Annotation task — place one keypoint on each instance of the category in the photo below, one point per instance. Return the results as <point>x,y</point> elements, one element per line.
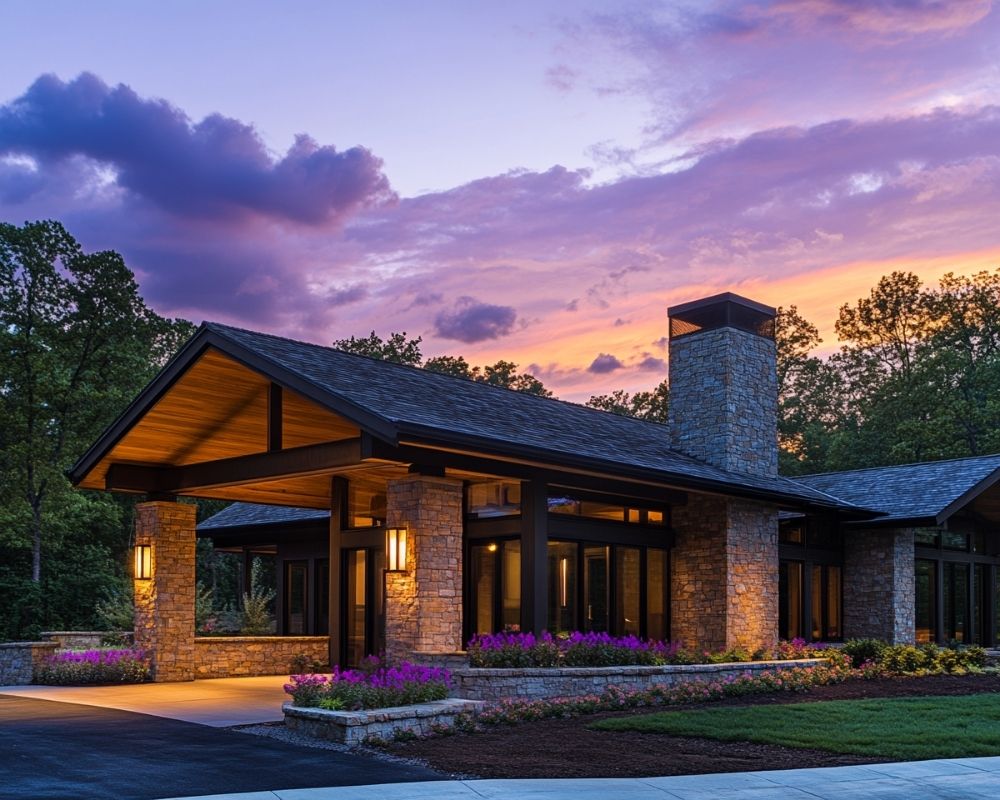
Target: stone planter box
<point>478,683</point>
<point>244,656</point>
<point>353,727</point>
<point>18,661</point>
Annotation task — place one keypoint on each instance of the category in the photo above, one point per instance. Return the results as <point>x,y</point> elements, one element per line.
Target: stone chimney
<point>724,384</point>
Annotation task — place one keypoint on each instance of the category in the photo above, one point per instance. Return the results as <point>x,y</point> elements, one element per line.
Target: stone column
<point>423,610</point>
<point>724,574</point>
<point>879,585</point>
<point>164,604</point>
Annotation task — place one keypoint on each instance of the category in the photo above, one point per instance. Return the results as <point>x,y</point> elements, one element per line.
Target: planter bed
<point>533,683</point>
<point>385,724</point>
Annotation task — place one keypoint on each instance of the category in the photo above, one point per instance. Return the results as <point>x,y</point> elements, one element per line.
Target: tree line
<point>916,377</point>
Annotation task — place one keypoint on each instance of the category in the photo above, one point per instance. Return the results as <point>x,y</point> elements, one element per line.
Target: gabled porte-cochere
<point>409,510</point>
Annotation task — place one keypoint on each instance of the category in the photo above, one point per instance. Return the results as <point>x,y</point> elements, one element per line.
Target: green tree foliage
<point>401,350</point>
<point>917,378</point>
<point>652,406</point>
<point>76,344</point>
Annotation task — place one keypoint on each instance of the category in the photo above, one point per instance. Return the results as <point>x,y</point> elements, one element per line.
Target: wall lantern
<point>395,549</point>
<point>143,562</point>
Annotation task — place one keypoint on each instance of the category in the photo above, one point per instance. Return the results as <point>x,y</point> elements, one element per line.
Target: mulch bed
<point>566,748</point>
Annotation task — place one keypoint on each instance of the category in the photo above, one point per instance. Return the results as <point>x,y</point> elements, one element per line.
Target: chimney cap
<point>725,297</point>
<point>726,310</point>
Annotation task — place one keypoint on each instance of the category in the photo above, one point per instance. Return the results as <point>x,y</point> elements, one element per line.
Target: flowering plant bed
<point>98,665</point>
<point>375,686</point>
<point>518,650</point>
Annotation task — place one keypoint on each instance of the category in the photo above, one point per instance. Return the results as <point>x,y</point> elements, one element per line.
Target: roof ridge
<point>897,466</point>
<point>422,370</point>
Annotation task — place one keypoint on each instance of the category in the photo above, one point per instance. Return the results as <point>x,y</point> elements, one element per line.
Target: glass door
<point>362,604</point>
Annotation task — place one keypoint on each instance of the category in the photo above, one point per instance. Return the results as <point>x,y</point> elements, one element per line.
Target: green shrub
<point>862,650</point>
<point>82,667</point>
<point>257,619</point>
<point>905,659</point>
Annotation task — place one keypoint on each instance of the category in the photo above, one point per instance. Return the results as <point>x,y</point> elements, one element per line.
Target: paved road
<point>62,750</point>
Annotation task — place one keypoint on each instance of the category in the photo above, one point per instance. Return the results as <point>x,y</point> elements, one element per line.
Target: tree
<point>652,405</point>
<point>399,349</point>
<point>77,342</point>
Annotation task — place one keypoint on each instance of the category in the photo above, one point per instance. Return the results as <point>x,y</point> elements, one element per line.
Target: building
<point>447,507</point>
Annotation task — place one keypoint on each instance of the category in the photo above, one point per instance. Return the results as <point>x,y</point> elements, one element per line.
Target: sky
<point>535,181</point>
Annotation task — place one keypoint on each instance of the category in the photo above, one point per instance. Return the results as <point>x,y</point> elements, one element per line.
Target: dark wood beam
<point>338,515</point>
<point>427,457</point>
<point>260,467</point>
<point>274,417</point>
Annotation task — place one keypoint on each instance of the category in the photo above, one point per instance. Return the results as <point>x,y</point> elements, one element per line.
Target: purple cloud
<point>471,321</point>
<point>216,168</point>
<point>651,363</point>
<point>348,294</point>
<point>604,363</point>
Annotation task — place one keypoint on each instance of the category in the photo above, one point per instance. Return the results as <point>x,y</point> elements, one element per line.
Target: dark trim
<point>571,528</point>
<point>416,440</point>
<point>338,512</point>
<point>534,556</point>
<point>275,417</point>
<point>294,462</point>
<point>495,526</point>
<point>724,297</point>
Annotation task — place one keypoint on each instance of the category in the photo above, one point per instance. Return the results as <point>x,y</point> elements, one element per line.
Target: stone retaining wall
<point>243,656</point>
<point>19,659</point>
<point>83,640</point>
<point>474,683</point>
<point>353,727</point>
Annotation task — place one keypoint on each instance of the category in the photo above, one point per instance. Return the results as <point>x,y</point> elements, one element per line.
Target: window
<point>571,504</point>
<point>956,601</point>
<point>365,503</point>
<point>488,499</point>
<point>790,595</point>
<point>296,597</point>
<point>657,608</point>
<point>925,600</point>
<point>562,587</point>
<point>494,583</point>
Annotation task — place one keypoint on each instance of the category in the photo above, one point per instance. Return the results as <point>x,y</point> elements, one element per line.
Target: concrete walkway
<point>220,702</point>
<point>914,780</point>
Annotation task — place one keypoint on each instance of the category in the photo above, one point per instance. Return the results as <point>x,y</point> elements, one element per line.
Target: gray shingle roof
<point>908,491</point>
<point>240,515</point>
<point>418,402</point>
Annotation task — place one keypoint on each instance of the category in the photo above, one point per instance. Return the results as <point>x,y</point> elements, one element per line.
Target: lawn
<point>909,728</point>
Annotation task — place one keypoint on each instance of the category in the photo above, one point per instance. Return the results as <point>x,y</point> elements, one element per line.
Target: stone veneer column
<point>423,610</point>
<point>879,585</point>
<point>724,574</point>
<point>164,604</point>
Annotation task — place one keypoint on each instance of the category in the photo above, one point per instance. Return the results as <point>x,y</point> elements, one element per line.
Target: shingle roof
<point>909,491</point>
<point>240,515</point>
<point>418,402</point>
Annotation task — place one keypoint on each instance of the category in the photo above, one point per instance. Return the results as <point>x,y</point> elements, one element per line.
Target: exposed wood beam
<point>260,467</point>
<point>427,457</point>
<point>275,414</point>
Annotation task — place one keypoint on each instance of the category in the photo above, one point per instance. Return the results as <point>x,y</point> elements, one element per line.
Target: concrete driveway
<point>51,749</point>
<point>219,703</point>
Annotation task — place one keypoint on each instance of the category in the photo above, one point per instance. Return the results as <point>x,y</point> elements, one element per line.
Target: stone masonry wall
<point>243,656</point>
<point>423,610</point>
<point>18,661</point>
<point>83,640</point>
<point>164,604</point>
<point>752,573</point>
<point>879,585</point>
<point>538,682</point>
<point>724,574</point>
<point>724,399</point>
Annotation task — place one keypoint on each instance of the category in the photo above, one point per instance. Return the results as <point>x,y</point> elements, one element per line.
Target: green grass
<point>906,729</point>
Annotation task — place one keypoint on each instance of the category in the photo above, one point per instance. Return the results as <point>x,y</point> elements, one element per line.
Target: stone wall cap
<point>366,716</point>
<point>41,645</point>
<point>628,669</point>
<point>251,639</point>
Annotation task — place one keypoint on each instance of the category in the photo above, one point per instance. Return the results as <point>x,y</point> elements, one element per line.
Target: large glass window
<point>488,499</point>
<point>355,616</point>
<point>595,588</point>
<point>956,601</point>
<point>511,586</point>
<point>365,503</point>
<point>657,609</point>
<point>483,580</point>
<point>581,506</point>
<point>495,586</point>
<point>296,597</point>
<point>562,587</point>
<point>790,594</point>
<point>627,585</point>
<point>925,598</point>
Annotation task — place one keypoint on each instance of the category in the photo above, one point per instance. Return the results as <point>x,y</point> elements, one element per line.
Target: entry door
<point>363,618</point>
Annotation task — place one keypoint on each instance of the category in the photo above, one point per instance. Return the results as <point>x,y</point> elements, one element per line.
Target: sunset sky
<point>536,181</point>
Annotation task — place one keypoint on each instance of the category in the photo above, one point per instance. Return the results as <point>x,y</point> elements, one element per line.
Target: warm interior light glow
<point>563,582</point>
<point>143,562</point>
<point>491,547</point>
<point>395,549</point>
